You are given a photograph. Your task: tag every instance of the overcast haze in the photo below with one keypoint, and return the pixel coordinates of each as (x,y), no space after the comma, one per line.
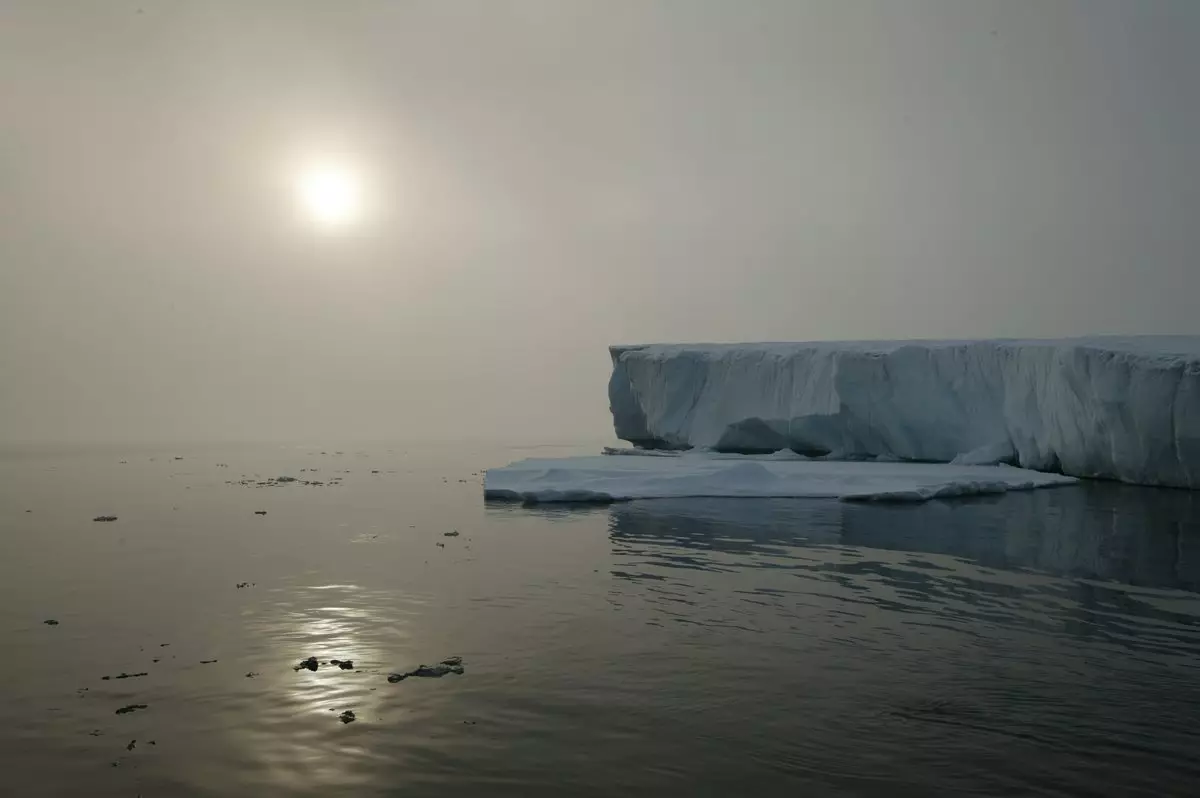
(542,179)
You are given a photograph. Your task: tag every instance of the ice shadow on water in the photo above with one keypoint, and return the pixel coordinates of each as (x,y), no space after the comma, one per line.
(1080,564)
(1138,536)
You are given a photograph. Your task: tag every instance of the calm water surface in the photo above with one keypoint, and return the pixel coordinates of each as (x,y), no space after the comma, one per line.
(1035,644)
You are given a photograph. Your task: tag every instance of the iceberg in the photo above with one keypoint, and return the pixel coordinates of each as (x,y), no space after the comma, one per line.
(613,477)
(1115,408)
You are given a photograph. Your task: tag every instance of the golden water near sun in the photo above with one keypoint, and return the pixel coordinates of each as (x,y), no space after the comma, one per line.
(642,648)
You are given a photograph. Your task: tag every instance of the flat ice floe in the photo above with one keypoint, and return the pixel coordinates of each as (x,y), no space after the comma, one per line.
(782,475)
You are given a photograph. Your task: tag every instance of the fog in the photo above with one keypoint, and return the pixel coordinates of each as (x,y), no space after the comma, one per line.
(542,179)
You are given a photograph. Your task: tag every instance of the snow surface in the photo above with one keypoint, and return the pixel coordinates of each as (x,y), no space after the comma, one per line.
(1120,408)
(696,474)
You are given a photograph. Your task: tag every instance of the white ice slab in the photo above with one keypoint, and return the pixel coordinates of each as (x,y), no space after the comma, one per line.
(1120,408)
(617,478)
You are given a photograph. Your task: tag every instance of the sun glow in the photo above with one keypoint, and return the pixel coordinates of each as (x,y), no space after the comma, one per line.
(330,195)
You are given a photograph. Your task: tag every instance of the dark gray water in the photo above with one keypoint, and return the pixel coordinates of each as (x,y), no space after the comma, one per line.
(1034,644)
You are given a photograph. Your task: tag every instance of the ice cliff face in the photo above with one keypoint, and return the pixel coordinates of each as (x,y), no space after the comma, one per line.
(1120,408)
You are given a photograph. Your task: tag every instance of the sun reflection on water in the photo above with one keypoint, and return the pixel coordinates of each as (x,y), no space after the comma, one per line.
(371,628)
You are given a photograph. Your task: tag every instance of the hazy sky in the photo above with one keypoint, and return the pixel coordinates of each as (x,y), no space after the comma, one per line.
(541,179)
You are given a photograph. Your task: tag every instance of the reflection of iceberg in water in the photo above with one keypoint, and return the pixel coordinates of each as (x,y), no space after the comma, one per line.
(1140,536)
(730,524)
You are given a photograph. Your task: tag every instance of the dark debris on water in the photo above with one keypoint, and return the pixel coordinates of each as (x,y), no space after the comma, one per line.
(274,482)
(50,622)
(105,518)
(344,664)
(347,716)
(448,665)
(125,710)
(309,664)
(124,675)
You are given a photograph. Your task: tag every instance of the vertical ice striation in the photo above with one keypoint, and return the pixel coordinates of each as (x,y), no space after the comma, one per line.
(1119,408)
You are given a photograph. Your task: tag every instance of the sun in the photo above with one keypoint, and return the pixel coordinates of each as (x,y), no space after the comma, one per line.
(330,195)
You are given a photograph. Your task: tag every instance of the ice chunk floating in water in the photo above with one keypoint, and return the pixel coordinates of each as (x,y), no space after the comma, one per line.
(694,474)
(1120,408)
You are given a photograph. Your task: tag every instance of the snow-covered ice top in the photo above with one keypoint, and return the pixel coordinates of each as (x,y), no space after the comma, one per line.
(710,474)
(1121,408)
